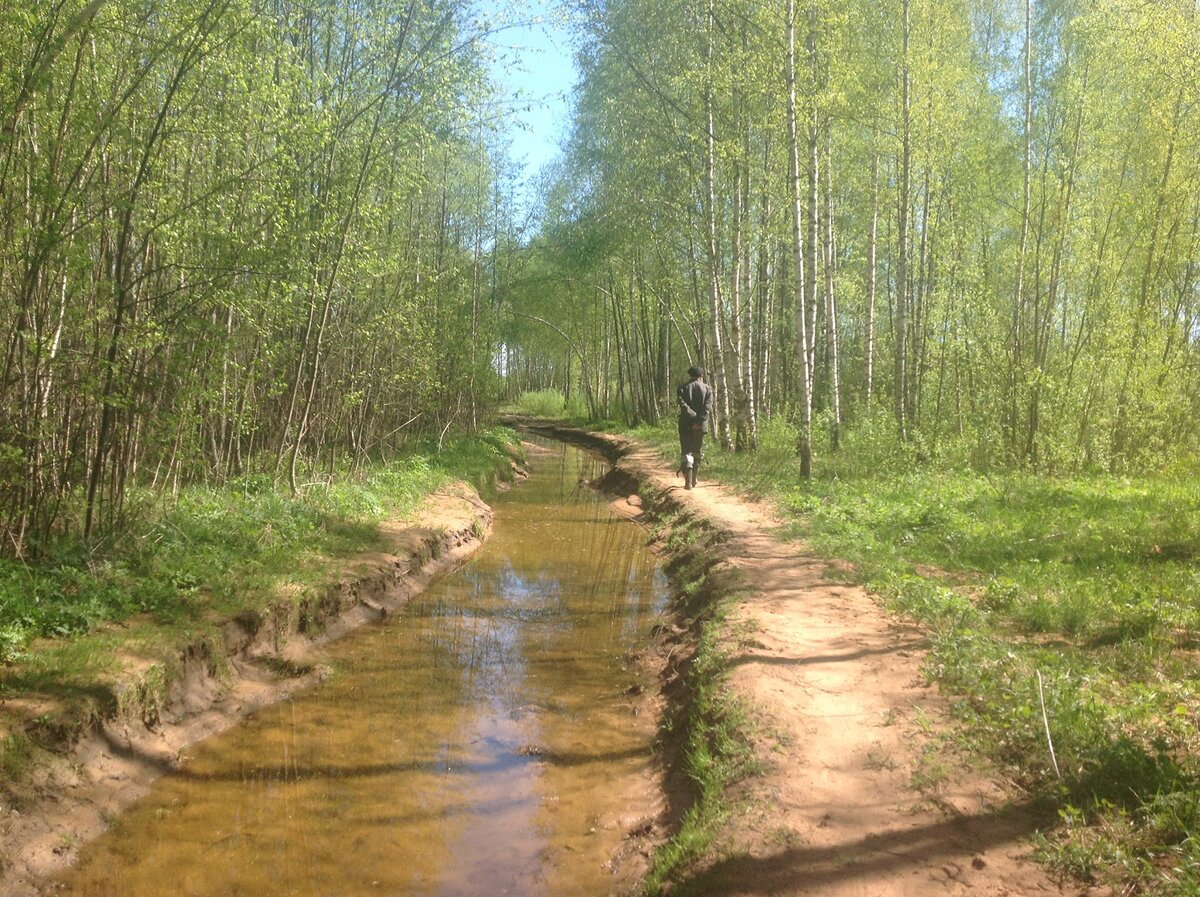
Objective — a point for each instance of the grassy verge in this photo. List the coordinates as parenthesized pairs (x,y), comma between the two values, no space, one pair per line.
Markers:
(71,623)
(207,548)
(709,720)
(549,404)
(1068,604)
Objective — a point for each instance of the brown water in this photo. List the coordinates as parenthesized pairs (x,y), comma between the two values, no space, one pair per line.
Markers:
(480,743)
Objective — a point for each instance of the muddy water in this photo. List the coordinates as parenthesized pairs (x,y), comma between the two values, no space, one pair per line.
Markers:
(482,742)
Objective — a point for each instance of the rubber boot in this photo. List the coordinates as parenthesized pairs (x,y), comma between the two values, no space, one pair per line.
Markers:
(689,477)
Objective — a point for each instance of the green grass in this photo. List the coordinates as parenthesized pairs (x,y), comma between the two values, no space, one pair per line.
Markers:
(209,548)
(547,403)
(711,723)
(717,754)
(1093,582)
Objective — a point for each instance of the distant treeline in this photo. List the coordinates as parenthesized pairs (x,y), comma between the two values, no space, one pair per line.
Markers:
(236,236)
(980,218)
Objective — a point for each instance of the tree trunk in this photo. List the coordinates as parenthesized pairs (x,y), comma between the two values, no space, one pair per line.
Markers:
(902,217)
(872,270)
(716,301)
(833,364)
(804,446)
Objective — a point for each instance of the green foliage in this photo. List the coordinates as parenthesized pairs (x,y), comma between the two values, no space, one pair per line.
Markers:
(1037,309)
(214,547)
(548,404)
(222,213)
(1088,581)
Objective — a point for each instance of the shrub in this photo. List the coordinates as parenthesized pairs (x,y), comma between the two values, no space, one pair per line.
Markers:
(541,403)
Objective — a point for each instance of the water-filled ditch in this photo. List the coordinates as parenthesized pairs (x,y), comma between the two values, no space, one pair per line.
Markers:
(484,741)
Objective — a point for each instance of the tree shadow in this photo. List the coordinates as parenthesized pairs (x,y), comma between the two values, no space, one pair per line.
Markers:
(949,847)
(126,751)
(811,660)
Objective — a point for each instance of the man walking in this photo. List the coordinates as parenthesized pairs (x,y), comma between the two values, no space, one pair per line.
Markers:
(695,405)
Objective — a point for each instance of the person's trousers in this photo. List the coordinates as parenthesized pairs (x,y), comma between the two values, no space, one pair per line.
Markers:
(691,442)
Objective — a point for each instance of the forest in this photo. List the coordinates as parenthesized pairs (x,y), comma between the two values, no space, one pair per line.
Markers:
(980,219)
(977,218)
(940,259)
(239,238)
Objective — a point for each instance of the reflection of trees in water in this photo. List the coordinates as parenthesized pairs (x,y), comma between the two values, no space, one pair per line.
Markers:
(488,720)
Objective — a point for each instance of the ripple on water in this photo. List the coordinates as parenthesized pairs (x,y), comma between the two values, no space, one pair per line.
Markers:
(483,741)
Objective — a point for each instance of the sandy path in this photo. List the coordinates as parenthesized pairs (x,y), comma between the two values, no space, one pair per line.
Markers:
(859,796)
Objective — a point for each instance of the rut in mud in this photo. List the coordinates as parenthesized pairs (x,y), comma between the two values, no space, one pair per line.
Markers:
(494,737)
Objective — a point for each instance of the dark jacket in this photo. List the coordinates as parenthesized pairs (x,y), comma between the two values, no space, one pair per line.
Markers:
(695,401)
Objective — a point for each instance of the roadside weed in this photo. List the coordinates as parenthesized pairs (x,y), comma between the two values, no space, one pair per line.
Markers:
(210,547)
(717,753)
(1089,581)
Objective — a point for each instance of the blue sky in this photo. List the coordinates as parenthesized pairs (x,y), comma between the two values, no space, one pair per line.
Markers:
(533,63)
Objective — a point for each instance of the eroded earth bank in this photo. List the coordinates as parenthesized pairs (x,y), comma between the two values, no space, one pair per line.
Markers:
(530,724)
(145,723)
(851,787)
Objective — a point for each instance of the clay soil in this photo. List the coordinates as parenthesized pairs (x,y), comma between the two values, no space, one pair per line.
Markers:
(267,656)
(863,789)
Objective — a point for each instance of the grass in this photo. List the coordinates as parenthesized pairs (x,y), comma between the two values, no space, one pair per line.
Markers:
(1091,581)
(547,403)
(92,634)
(712,724)
(210,547)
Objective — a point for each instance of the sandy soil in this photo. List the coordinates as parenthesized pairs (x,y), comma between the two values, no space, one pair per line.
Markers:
(119,759)
(860,795)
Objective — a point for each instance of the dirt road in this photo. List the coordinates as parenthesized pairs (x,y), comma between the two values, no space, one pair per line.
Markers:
(861,793)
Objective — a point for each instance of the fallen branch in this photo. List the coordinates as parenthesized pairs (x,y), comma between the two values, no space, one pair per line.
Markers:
(1046,722)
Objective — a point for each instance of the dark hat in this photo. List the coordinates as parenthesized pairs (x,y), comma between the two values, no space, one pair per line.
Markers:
(695,371)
